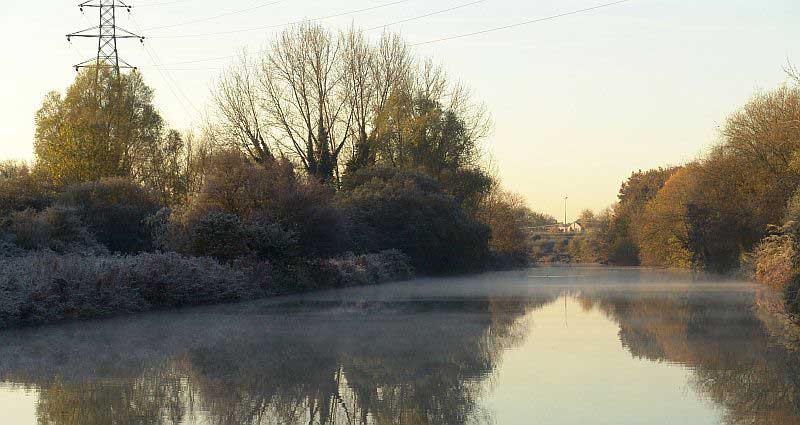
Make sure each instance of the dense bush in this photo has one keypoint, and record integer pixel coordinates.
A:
(624, 252)
(271, 193)
(9, 248)
(114, 210)
(359, 270)
(777, 258)
(44, 287)
(56, 228)
(220, 235)
(226, 237)
(408, 211)
(580, 250)
(777, 264)
(471, 187)
(363, 176)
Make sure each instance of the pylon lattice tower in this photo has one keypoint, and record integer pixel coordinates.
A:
(107, 34)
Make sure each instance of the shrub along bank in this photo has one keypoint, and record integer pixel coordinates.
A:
(43, 287)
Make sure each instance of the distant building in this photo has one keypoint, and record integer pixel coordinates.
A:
(576, 227)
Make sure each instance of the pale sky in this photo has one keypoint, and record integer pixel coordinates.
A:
(578, 102)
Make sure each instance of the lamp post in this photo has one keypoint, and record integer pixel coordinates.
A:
(565, 211)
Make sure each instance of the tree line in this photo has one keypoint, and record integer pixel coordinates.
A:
(734, 209)
(324, 147)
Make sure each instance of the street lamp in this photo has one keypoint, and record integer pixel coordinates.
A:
(565, 211)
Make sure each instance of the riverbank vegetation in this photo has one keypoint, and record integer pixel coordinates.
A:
(735, 209)
(328, 160)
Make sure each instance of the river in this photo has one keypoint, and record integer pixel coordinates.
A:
(549, 345)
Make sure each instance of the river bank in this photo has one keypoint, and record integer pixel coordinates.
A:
(44, 287)
(779, 321)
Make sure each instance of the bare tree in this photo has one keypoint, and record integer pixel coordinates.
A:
(476, 118)
(433, 83)
(318, 97)
(301, 79)
(358, 88)
(243, 123)
(392, 67)
(793, 72)
(372, 74)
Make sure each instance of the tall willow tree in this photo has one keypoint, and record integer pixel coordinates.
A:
(101, 127)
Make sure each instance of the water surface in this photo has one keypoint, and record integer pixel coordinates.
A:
(548, 345)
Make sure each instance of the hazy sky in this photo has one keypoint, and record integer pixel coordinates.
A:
(578, 102)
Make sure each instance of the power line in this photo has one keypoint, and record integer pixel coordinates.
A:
(165, 3)
(235, 12)
(76, 50)
(427, 15)
(438, 12)
(202, 60)
(175, 83)
(169, 86)
(170, 81)
(352, 12)
(532, 21)
(167, 77)
(163, 67)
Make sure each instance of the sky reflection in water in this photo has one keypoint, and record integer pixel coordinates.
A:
(547, 345)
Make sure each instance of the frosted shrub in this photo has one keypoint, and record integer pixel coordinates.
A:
(8, 248)
(56, 228)
(175, 280)
(777, 264)
(775, 261)
(368, 269)
(44, 286)
(220, 235)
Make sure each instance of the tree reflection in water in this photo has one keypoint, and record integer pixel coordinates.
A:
(332, 363)
(754, 378)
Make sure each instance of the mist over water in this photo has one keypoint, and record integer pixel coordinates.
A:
(547, 345)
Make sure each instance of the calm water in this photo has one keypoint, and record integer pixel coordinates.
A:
(547, 345)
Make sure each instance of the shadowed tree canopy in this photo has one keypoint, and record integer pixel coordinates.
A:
(101, 127)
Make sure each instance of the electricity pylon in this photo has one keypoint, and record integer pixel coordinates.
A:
(107, 34)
